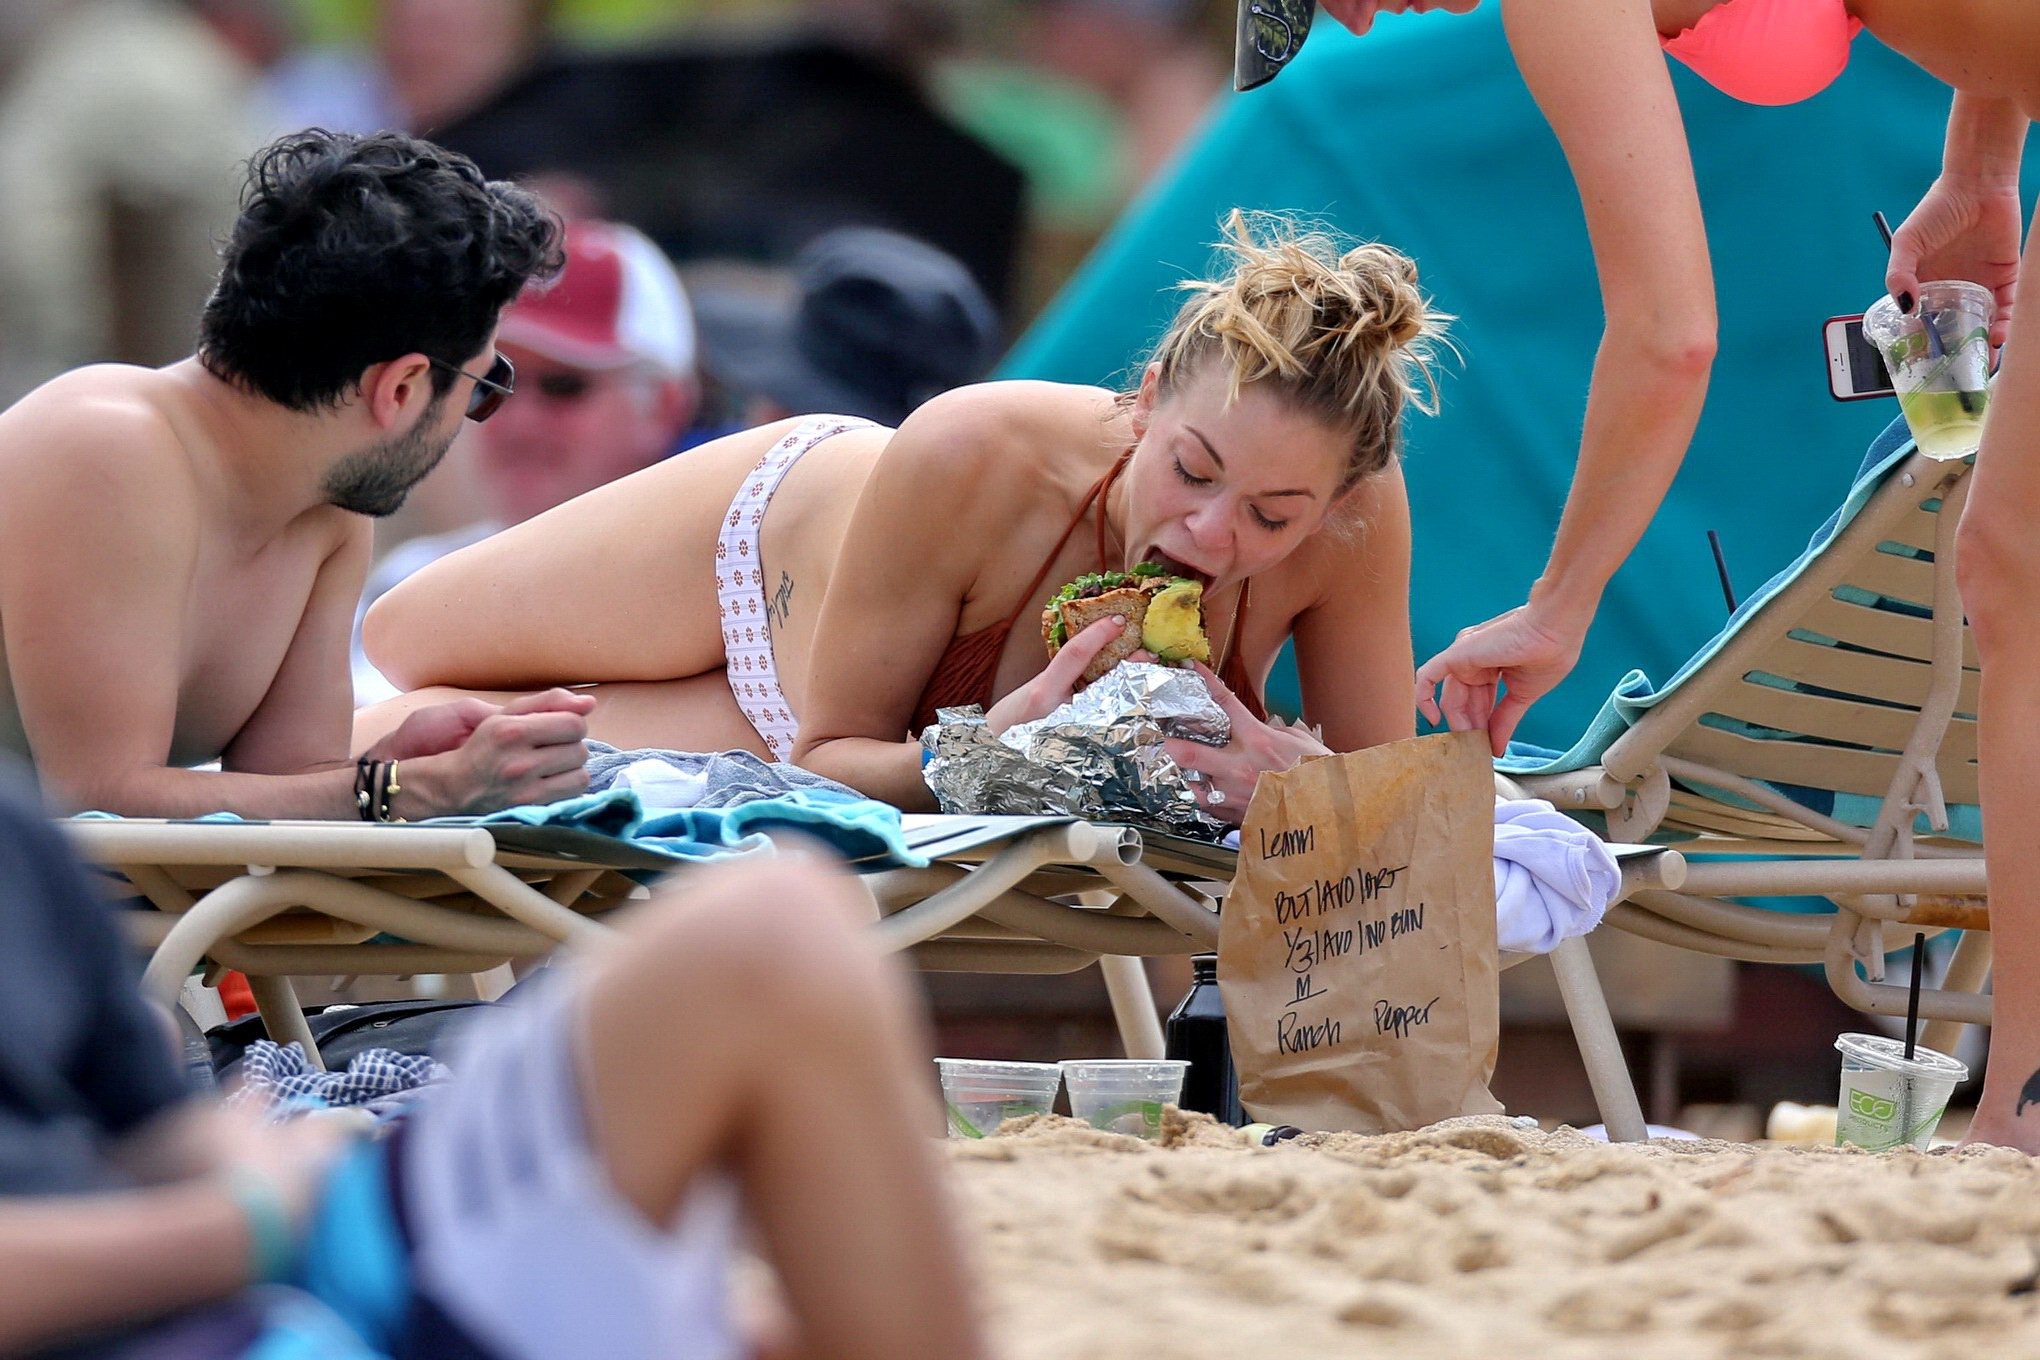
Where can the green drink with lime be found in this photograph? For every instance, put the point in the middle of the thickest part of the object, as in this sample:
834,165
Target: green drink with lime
1939,358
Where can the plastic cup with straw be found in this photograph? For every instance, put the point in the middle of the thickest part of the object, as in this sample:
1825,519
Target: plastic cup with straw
1939,357
1894,1093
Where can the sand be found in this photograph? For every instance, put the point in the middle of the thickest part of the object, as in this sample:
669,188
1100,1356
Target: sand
1480,1238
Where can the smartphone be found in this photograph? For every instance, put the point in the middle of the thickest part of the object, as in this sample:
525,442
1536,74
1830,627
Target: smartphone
1856,371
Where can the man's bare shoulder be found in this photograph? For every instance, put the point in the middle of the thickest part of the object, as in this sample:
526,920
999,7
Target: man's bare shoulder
90,421
98,441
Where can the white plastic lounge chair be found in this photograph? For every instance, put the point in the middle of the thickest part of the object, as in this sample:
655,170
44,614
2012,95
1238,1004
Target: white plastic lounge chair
1823,744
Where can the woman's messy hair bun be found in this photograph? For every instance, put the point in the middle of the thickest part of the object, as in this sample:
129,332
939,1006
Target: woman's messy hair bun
1341,330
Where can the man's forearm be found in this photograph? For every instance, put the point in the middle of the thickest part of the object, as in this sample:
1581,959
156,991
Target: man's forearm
89,1262
1642,408
1986,139
164,792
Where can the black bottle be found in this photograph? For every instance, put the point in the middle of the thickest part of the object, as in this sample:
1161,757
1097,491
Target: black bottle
1196,1033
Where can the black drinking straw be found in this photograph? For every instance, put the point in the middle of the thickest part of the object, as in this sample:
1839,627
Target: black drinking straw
1912,999
1721,568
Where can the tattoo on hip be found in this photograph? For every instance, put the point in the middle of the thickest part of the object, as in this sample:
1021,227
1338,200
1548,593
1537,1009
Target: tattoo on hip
781,604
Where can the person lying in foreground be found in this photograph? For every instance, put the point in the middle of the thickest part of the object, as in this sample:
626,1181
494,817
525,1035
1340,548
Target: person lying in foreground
815,590
181,548
574,1190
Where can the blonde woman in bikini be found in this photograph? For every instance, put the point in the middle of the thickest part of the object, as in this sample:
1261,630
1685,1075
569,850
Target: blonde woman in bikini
1597,73
815,590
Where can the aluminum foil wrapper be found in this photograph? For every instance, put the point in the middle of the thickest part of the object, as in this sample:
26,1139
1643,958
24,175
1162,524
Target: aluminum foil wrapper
1099,757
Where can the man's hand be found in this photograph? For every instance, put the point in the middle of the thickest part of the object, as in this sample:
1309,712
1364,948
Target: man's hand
1051,689
434,730
1528,650
531,750
1962,229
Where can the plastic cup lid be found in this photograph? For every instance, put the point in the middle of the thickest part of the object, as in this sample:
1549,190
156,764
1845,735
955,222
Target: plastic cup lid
1879,1050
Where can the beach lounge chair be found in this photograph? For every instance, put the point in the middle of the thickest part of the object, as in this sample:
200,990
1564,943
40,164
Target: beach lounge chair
1823,744
998,894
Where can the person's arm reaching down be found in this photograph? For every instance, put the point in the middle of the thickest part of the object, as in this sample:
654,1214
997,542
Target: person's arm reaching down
1599,76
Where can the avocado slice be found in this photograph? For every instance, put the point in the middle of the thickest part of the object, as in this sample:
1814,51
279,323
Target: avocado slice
1174,627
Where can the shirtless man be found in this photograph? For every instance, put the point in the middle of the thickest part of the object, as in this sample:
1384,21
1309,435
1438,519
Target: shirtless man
181,548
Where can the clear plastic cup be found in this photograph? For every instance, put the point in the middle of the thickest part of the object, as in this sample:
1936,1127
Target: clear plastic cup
978,1096
1888,1101
1939,357
1124,1095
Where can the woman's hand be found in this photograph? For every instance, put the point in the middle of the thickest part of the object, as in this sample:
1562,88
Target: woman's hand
1223,777
1051,689
1962,229
1529,649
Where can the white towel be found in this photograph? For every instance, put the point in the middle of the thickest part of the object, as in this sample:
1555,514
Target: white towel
1553,877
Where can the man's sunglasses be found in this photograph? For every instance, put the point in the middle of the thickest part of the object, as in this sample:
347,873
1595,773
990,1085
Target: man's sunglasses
1271,33
491,389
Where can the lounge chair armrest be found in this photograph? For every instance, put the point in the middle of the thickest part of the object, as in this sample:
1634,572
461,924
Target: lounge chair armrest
1649,869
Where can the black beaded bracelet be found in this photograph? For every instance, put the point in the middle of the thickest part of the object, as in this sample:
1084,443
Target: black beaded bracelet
375,789
390,789
364,781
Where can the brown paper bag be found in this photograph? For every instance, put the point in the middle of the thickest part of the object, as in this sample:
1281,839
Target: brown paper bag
1357,947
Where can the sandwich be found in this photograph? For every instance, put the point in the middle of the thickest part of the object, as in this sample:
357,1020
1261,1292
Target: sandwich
1164,614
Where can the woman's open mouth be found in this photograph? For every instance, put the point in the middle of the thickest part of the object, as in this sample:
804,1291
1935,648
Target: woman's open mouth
1175,566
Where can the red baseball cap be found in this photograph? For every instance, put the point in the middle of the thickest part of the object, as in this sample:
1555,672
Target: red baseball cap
617,303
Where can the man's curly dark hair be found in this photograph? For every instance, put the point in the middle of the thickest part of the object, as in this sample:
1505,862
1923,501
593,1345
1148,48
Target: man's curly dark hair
354,250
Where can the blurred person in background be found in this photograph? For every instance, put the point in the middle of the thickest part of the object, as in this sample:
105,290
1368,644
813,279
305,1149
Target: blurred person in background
874,324
123,124
1051,87
446,58
606,385
427,63
1160,98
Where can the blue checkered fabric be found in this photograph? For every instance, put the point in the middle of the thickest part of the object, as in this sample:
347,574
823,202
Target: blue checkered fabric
277,1079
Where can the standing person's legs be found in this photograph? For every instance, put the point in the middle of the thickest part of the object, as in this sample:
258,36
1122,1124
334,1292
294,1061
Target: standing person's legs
1998,561
741,1039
